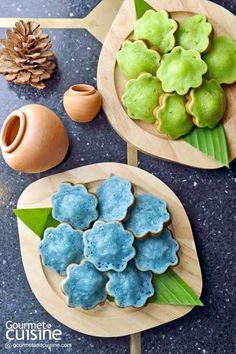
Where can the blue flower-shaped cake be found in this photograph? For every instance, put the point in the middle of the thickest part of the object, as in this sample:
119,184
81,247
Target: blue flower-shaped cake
114,198
131,287
156,253
60,247
108,246
75,205
149,215
84,286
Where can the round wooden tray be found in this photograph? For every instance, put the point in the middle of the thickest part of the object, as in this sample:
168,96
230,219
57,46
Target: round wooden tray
107,320
111,84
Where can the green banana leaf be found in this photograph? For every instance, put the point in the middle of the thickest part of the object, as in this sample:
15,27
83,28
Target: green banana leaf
37,220
141,7
211,142
169,287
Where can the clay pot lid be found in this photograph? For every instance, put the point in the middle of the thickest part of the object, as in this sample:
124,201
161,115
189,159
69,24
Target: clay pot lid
12,131
82,89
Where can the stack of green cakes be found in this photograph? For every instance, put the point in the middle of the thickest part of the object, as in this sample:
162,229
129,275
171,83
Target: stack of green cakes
175,72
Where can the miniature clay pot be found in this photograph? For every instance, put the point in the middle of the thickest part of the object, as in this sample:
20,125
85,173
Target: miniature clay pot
82,103
33,139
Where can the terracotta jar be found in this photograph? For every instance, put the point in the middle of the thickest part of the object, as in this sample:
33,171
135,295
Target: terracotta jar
82,103
33,139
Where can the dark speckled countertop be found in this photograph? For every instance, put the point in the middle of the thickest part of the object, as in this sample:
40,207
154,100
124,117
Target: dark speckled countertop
208,196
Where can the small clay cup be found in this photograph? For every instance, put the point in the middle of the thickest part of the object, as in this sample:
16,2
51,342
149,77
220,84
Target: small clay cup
82,103
33,139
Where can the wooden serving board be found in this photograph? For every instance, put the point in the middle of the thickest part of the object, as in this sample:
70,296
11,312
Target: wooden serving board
112,85
95,22
107,320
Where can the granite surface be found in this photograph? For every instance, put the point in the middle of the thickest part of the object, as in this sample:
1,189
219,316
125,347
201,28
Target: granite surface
208,196
50,8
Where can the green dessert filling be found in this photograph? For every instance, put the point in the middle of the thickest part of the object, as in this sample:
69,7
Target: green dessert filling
135,58
142,96
172,118
194,32
157,28
207,104
181,70
221,60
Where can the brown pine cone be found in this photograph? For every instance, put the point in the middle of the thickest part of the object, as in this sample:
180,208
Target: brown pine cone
25,57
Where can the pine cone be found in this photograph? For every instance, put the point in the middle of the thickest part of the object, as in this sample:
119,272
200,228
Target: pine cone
25,57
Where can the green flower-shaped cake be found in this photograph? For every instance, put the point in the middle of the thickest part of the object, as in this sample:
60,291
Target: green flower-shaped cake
142,96
181,70
221,60
157,28
194,32
207,104
135,58
172,118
